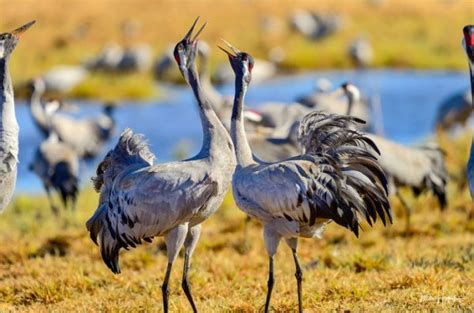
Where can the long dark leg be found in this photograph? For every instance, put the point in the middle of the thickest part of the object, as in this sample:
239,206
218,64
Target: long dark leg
189,245
174,241
164,287
271,282
185,283
299,279
50,200
408,211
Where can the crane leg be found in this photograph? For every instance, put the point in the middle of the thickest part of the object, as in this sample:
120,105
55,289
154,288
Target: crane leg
164,288
189,246
270,283
293,243
299,280
54,208
174,241
408,211
271,239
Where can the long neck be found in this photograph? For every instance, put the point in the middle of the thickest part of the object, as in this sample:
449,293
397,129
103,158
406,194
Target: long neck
237,129
471,72
350,104
212,128
37,110
7,105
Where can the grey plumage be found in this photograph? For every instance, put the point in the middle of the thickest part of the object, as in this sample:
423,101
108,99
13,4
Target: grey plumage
9,128
454,110
336,179
140,200
419,168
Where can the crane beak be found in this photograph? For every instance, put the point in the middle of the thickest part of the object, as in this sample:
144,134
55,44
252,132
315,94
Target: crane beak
17,32
188,35
230,54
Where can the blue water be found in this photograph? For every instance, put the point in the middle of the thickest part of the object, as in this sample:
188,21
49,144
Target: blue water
409,102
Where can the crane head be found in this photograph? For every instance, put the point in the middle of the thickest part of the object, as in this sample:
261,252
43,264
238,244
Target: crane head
185,50
8,41
241,62
468,42
351,91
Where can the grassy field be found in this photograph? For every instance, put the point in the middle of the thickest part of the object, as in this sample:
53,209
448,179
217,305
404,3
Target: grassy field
50,265
418,34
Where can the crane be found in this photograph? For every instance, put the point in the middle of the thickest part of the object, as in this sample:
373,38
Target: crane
9,128
419,168
468,44
337,179
57,165
140,200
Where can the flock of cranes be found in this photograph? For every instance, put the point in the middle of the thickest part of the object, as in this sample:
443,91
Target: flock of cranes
295,168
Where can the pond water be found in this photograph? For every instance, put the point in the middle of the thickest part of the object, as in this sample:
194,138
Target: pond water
409,101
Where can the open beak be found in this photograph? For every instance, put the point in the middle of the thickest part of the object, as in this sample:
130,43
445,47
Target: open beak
187,37
17,32
230,54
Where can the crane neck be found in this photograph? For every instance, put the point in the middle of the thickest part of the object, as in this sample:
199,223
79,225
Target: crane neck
214,133
471,72
8,120
237,128
37,110
350,104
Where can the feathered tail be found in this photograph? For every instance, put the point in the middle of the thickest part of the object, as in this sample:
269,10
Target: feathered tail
363,185
98,228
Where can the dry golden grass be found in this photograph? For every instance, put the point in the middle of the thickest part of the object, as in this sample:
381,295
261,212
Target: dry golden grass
421,34
49,265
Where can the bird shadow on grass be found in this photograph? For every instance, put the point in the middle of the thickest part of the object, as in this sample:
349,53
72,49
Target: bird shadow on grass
55,246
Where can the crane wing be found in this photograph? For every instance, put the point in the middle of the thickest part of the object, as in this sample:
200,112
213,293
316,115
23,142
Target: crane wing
148,202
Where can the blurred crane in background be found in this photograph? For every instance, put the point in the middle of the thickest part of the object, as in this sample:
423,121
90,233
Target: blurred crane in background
418,168
57,165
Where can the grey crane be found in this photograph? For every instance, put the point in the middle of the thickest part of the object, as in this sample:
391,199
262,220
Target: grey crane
335,179
140,200
468,44
314,26
57,165
360,52
86,136
419,168
9,128
107,59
